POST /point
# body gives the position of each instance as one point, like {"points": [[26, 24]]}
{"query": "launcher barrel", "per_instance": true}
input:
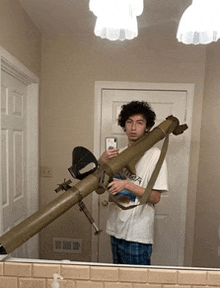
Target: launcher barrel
{"points": [[36, 222]]}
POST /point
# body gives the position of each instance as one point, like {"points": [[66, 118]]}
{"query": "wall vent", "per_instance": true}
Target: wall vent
{"points": [[67, 245]]}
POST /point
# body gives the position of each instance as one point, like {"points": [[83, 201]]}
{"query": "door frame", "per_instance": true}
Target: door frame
{"points": [[102, 85], [12, 66]]}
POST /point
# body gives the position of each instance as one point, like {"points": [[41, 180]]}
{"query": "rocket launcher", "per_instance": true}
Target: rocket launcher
{"points": [[96, 181]]}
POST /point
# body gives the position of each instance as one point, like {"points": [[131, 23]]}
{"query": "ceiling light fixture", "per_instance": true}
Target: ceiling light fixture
{"points": [[116, 19], [200, 23]]}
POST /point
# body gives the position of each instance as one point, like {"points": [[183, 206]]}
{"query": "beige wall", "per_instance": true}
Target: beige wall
{"points": [[19, 36], [207, 232], [70, 67]]}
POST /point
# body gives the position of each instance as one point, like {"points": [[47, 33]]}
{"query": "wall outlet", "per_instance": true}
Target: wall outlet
{"points": [[46, 171]]}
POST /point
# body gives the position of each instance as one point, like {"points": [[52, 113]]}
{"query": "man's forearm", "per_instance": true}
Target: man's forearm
{"points": [[135, 189], [139, 191]]}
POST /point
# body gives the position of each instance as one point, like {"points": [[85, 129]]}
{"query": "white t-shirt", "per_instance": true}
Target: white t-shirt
{"points": [[137, 224]]}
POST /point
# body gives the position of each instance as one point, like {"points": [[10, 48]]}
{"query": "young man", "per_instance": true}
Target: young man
{"points": [[131, 230]]}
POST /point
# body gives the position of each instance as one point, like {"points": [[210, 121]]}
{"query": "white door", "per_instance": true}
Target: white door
{"points": [[14, 151], [170, 212], [19, 153]]}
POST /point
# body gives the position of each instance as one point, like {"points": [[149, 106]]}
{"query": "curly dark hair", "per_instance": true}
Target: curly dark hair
{"points": [[134, 108]]}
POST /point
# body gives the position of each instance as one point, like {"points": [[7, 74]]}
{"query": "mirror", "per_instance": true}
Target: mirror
{"points": [[70, 65]]}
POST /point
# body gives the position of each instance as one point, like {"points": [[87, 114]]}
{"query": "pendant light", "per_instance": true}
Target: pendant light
{"points": [[116, 19], [200, 23]]}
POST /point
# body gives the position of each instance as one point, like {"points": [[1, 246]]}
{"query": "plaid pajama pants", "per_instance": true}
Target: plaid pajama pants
{"points": [[125, 252]]}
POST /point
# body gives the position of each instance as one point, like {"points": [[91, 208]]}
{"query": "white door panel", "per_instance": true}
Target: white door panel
{"points": [[14, 151], [170, 212]]}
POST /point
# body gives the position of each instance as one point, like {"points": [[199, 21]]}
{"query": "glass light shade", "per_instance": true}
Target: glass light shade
{"points": [[137, 6], [116, 19], [200, 23], [116, 30], [97, 6]]}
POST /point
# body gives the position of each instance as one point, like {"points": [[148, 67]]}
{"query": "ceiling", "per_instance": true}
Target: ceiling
{"points": [[73, 17]]}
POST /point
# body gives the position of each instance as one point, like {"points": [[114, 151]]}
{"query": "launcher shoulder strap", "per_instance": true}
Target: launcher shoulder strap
{"points": [[152, 181], [156, 171]]}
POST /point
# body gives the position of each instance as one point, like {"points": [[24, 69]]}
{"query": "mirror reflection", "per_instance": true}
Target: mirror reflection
{"points": [[83, 81]]}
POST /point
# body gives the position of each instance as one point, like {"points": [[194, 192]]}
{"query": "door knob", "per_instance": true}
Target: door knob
{"points": [[105, 203]]}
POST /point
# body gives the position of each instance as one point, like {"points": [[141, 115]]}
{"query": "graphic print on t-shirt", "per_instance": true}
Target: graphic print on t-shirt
{"points": [[125, 195]]}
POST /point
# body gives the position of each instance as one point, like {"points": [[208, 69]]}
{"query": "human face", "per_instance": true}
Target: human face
{"points": [[135, 127]]}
